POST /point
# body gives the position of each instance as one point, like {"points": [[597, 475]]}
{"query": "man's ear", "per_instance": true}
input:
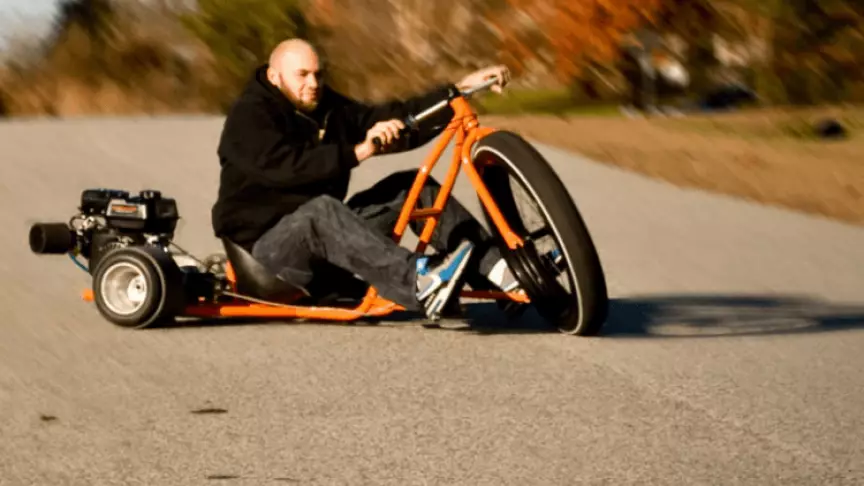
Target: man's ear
{"points": [[272, 76]]}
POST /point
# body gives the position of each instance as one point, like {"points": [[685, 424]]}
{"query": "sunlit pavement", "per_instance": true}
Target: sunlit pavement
{"points": [[732, 353]]}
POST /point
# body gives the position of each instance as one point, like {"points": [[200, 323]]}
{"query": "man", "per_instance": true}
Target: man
{"points": [[287, 149]]}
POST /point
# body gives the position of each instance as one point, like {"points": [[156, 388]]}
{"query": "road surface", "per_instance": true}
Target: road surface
{"points": [[731, 355]]}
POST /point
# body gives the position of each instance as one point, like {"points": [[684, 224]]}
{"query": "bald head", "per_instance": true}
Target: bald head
{"points": [[292, 51], [294, 68]]}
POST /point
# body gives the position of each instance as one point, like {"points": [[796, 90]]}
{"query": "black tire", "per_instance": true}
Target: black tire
{"points": [[163, 290], [584, 313]]}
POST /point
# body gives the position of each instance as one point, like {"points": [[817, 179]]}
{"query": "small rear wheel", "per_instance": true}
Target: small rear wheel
{"points": [[138, 287], [576, 304]]}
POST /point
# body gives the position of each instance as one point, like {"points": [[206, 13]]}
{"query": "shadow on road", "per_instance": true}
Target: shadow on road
{"points": [[692, 316], [697, 316], [661, 316]]}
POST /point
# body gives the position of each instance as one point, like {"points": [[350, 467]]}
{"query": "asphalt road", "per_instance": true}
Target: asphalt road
{"points": [[731, 356]]}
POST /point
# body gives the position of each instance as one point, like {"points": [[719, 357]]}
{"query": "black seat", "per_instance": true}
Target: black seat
{"points": [[254, 280]]}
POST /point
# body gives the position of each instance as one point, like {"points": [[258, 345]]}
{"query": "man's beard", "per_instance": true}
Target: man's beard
{"points": [[300, 104]]}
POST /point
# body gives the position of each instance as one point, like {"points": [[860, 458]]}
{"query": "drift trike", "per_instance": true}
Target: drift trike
{"points": [[138, 281]]}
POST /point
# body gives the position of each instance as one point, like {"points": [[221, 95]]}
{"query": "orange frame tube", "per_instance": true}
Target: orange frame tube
{"points": [[466, 130]]}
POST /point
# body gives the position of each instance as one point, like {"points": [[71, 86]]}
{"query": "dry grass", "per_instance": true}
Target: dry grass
{"points": [[70, 98], [760, 156]]}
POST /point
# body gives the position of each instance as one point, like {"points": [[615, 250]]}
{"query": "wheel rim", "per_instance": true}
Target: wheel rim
{"points": [[124, 289]]}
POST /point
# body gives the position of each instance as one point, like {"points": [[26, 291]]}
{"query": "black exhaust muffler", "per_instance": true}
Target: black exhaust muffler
{"points": [[51, 238]]}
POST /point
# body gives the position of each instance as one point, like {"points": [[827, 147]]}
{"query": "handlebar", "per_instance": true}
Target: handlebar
{"points": [[480, 87], [411, 120]]}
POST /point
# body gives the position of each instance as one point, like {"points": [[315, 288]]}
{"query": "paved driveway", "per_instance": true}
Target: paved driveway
{"points": [[731, 356]]}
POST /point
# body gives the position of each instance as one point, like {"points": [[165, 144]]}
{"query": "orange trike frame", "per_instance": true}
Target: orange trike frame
{"points": [[466, 130]]}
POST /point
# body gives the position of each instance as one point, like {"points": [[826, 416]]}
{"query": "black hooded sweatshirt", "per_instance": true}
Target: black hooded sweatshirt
{"points": [[273, 158]]}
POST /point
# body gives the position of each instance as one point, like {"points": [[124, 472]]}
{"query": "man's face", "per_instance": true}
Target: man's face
{"points": [[298, 76]]}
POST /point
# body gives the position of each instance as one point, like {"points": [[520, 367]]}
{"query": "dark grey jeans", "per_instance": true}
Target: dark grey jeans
{"points": [[325, 242]]}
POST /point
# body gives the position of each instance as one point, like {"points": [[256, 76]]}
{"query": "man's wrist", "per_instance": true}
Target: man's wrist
{"points": [[363, 151]]}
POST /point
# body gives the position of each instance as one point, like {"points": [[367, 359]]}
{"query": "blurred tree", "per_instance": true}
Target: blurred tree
{"points": [[4, 102], [812, 51], [818, 49], [571, 35], [699, 23], [94, 17], [357, 40], [81, 37], [241, 35], [383, 48]]}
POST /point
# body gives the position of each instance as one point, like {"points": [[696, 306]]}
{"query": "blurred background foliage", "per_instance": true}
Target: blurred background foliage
{"points": [[157, 56]]}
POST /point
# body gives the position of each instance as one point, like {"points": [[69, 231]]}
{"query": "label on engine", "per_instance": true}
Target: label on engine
{"points": [[123, 209]]}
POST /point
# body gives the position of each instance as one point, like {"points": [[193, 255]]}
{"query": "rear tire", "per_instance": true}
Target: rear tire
{"points": [[584, 309], [138, 287]]}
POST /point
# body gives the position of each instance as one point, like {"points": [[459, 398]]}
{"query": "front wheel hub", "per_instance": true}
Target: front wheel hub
{"points": [[538, 277]]}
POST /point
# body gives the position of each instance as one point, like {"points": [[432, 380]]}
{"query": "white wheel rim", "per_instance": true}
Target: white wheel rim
{"points": [[124, 289]]}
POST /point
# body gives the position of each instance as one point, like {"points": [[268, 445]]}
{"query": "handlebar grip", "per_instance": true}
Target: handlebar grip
{"points": [[405, 131]]}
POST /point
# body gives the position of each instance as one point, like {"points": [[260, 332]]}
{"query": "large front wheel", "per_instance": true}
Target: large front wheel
{"points": [[558, 267]]}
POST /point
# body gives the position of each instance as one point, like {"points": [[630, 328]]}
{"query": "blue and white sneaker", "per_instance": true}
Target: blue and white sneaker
{"points": [[435, 285]]}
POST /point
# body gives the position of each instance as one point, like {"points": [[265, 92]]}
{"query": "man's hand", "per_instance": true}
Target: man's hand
{"points": [[482, 75], [386, 131]]}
